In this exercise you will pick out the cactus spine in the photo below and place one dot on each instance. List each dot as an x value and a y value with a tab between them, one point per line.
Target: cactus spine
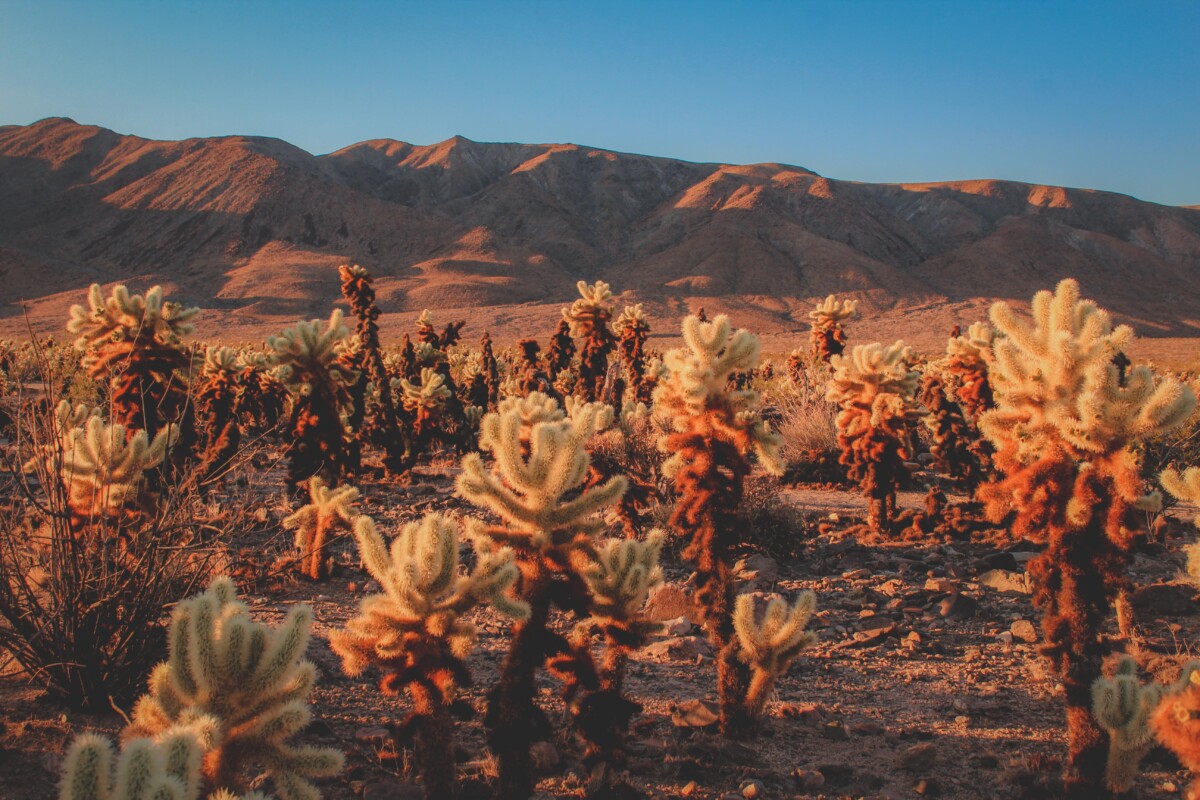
1064	428
714	431
248	683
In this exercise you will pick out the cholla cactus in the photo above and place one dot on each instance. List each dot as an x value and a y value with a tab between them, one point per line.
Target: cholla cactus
632	329
246	684
417	633
956	446
1186	487
218	402
827	335
145	769
534	487
1064	429
103	468
876	390
588	318
1123	708
134	342
358	291
319	386
770	643
425	400
715	430
1176	722
330	510
968	367
561	352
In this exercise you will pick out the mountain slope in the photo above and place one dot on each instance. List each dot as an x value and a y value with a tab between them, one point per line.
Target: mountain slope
254	227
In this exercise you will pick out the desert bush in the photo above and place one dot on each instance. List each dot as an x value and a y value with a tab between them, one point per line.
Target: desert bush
876	389
89	556
715	431
807	422
416	632
243	683
1064	428
827	336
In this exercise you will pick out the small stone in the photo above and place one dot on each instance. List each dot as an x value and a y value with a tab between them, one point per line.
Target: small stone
668	601
1023	629
680	626
753	788
689	789
1007	581
808	780
696	714
958	606
918	758
1005	637
835	731
678	648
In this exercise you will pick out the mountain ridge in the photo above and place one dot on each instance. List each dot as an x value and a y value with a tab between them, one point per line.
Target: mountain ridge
254	226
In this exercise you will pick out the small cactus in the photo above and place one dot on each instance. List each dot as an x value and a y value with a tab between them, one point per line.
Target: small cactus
588	318
248	682
1123	708
771	642
827	336
329	510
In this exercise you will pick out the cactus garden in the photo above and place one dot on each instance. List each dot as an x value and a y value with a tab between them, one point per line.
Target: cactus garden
620	557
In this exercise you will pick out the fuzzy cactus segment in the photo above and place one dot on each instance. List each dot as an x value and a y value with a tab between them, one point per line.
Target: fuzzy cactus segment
329	510
588	318
624	572
248	683
166	768
1185	486
771	642
1123	708
967	365
1176	723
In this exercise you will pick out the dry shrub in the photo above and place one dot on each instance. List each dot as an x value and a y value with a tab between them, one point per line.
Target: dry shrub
83	613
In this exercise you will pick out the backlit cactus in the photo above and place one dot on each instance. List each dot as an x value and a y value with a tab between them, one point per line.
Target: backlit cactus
134	342
827	336
248	683
328	511
1064	430
164	769
714	432
218	408
632	329
416	631
770	642
425	401
1123	707
1185	486
319	385
876	390
540	465
588	318
968	367
956	447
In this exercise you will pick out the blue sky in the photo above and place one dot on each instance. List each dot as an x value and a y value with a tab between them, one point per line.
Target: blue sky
1096	94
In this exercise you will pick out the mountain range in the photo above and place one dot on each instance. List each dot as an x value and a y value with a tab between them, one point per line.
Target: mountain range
252	228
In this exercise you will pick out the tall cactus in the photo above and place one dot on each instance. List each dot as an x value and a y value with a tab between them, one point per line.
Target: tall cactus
134	342
319	385
248	683
1065	429
877	392
534	487
589	317
632	329
1123	707
967	364
714	432
417	632
827	336
218	408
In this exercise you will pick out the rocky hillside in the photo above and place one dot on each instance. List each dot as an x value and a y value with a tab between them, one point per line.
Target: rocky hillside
253	227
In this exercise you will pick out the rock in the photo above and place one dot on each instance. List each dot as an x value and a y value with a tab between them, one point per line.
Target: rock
1165	600
669	601
1001	561
958	606
759	570
543	756
1005	638
940	585
835	731
808	780
1003	580
918	758
696	714
689	789
678	648
680	626
837	774
753	789
1024	630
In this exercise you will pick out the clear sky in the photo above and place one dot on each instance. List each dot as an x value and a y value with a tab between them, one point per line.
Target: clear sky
1096	94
